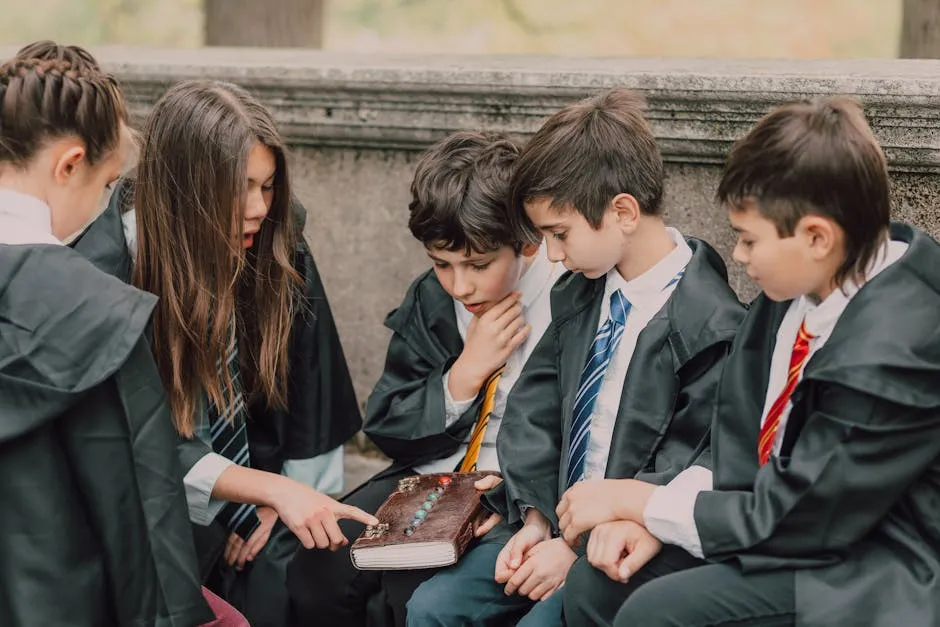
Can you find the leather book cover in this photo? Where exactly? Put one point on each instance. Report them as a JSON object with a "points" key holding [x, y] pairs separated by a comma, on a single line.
{"points": [[426, 523]]}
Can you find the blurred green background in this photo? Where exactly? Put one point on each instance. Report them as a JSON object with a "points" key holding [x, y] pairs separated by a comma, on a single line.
{"points": [[685, 28]]}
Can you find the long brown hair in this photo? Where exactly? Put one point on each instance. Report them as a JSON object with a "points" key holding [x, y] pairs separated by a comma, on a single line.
{"points": [[190, 194]]}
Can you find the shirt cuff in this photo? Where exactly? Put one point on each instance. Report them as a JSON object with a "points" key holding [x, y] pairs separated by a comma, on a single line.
{"points": [[323, 473], [670, 511], [453, 410], [199, 482]]}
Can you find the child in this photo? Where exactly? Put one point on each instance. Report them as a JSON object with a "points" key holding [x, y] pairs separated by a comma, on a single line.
{"points": [[823, 503], [480, 310], [217, 242], [94, 529], [624, 383]]}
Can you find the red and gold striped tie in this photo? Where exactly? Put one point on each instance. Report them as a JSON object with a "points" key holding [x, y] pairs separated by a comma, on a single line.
{"points": [[768, 432], [469, 462]]}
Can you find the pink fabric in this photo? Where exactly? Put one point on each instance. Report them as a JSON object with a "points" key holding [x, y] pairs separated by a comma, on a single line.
{"points": [[225, 614]]}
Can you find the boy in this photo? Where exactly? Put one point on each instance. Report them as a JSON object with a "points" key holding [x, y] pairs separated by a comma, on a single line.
{"points": [[624, 382], [465, 328], [822, 507]]}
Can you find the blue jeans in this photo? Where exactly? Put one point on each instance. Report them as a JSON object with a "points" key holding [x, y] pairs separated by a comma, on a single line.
{"points": [[467, 595]]}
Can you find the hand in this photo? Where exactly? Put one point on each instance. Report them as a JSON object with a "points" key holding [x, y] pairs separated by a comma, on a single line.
{"points": [[512, 555], [312, 515], [621, 548], [482, 527], [259, 537], [491, 339], [544, 570], [587, 504], [232, 548]]}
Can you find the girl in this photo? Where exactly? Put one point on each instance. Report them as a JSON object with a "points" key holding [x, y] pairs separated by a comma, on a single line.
{"points": [[94, 530], [243, 338]]}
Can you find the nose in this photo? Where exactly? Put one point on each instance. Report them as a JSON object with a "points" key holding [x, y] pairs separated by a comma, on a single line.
{"points": [[739, 254], [463, 286], [553, 250], [256, 209]]}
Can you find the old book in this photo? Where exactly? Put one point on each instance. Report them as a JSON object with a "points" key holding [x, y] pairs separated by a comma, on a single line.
{"points": [[426, 523]]}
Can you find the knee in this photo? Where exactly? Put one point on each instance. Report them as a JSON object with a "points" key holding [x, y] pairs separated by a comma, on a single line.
{"points": [[581, 585], [649, 605], [428, 605]]}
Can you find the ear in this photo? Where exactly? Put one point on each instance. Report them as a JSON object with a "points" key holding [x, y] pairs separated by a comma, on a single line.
{"points": [[67, 161], [821, 235], [627, 211], [529, 250]]}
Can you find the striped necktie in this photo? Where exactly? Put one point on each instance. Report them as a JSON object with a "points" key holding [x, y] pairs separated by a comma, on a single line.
{"points": [[592, 377], [230, 440], [768, 432], [469, 462]]}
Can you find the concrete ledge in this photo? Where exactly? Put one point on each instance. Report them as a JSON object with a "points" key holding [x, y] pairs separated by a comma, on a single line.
{"points": [[697, 106]]}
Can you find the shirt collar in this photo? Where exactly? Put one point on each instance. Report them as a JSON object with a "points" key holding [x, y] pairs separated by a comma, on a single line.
{"points": [[821, 318], [26, 219], [654, 280]]}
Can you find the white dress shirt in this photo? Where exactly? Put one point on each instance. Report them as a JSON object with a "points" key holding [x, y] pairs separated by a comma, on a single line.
{"points": [[647, 294], [535, 286], [670, 512], [24, 219]]}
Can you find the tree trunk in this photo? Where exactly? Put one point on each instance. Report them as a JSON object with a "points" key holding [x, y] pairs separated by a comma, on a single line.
{"points": [[265, 23], [920, 29]]}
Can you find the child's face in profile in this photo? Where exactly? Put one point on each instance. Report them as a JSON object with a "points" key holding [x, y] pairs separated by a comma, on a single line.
{"points": [[572, 240], [259, 191], [478, 280], [786, 267]]}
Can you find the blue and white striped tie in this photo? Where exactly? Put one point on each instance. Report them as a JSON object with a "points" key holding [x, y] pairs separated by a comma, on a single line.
{"points": [[592, 377], [229, 436]]}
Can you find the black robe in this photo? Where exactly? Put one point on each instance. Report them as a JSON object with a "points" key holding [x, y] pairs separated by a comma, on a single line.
{"points": [[669, 392], [322, 413], [405, 412], [854, 499], [95, 530]]}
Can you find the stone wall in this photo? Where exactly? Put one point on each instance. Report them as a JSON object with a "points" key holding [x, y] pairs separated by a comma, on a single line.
{"points": [[357, 124]]}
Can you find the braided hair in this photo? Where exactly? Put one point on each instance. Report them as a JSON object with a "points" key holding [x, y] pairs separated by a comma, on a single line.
{"points": [[43, 99]]}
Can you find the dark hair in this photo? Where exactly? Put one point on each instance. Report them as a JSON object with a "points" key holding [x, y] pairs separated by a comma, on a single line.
{"points": [[586, 154], [190, 193], [815, 158], [460, 192], [43, 99], [47, 50]]}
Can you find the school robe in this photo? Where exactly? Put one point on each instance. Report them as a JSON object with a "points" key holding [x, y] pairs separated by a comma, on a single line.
{"points": [[405, 412], [95, 530], [854, 498], [668, 396], [322, 413]]}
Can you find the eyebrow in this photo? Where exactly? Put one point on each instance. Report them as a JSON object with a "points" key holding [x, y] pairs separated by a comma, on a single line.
{"points": [[253, 180], [549, 226], [466, 260]]}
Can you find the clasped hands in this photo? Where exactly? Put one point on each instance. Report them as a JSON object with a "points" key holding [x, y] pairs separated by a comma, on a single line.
{"points": [[612, 510]]}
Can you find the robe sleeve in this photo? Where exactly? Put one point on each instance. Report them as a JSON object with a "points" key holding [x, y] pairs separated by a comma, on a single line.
{"points": [[405, 414], [529, 442], [856, 453]]}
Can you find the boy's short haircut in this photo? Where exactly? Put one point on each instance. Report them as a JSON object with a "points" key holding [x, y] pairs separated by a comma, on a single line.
{"points": [[588, 153], [460, 194], [815, 157]]}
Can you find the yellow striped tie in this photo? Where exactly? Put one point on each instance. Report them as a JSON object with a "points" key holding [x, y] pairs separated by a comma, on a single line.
{"points": [[469, 462]]}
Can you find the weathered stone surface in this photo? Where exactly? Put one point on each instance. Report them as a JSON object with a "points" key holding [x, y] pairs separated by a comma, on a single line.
{"points": [[355, 124]]}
